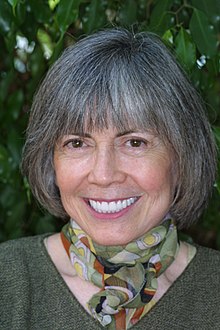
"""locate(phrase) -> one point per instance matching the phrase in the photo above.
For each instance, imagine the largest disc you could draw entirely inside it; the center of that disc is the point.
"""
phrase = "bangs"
(115, 98)
(115, 86)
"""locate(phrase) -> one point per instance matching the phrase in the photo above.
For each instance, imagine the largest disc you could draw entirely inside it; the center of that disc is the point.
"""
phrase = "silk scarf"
(126, 275)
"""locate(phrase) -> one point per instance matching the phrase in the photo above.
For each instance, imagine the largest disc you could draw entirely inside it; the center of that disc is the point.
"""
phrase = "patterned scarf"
(126, 275)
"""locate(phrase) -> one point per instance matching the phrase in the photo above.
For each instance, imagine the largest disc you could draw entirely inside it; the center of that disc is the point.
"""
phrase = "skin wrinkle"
(103, 168)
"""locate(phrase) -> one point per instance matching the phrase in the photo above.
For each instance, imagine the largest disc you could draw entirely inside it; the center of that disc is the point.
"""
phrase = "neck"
(84, 290)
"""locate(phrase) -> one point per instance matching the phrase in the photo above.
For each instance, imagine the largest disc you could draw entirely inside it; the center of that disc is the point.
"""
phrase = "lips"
(113, 206)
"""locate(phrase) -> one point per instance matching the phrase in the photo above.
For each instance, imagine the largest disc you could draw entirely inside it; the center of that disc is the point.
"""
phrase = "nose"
(106, 168)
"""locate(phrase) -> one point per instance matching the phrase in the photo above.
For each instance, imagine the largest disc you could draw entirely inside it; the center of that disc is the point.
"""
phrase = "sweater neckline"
(74, 303)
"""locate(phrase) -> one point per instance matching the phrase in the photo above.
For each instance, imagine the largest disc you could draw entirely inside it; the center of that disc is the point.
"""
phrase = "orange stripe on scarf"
(120, 320)
(65, 242)
(137, 315)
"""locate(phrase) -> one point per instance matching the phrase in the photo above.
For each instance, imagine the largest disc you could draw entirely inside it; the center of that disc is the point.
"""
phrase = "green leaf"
(4, 165)
(161, 19)
(13, 3)
(213, 66)
(14, 144)
(45, 42)
(128, 13)
(14, 103)
(20, 13)
(203, 34)
(95, 16)
(45, 224)
(6, 17)
(53, 3)
(30, 25)
(6, 80)
(3, 153)
(16, 212)
(27, 189)
(57, 50)
(40, 10)
(185, 49)
(218, 186)
(209, 7)
(168, 37)
(67, 13)
(36, 66)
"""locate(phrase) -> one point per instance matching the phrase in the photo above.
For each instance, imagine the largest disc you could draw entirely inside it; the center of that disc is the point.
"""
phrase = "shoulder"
(208, 258)
(20, 242)
(20, 255)
(21, 247)
(192, 302)
(24, 265)
(202, 275)
(204, 267)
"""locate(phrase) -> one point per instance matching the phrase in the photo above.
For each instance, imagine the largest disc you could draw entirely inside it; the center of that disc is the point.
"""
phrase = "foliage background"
(33, 34)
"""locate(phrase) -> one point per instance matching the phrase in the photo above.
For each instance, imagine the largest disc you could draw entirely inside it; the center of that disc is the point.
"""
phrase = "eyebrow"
(125, 133)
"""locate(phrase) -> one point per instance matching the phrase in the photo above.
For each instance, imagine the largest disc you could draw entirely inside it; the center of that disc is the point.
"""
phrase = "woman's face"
(115, 185)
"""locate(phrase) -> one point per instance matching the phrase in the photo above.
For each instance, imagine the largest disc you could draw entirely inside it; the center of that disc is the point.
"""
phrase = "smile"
(111, 207)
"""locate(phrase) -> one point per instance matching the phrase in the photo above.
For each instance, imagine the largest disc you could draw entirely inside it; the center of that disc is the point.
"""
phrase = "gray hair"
(126, 80)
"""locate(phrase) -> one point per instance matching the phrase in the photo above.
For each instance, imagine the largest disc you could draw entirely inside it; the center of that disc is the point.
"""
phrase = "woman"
(119, 144)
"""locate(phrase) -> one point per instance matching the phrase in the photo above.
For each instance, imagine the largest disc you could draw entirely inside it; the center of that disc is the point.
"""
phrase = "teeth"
(112, 207)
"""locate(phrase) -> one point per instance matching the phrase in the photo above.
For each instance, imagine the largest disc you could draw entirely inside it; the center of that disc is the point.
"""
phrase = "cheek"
(156, 177)
(64, 184)
(69, 174)
(64, 175)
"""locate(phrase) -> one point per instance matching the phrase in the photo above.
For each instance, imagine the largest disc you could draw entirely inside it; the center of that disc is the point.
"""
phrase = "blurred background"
(32, 36)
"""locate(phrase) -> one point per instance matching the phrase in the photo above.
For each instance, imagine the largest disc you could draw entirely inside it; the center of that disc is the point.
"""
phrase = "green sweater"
(34, 296)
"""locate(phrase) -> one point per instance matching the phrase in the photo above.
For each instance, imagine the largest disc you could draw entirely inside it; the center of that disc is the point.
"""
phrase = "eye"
(74, 143)
(136, 143)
